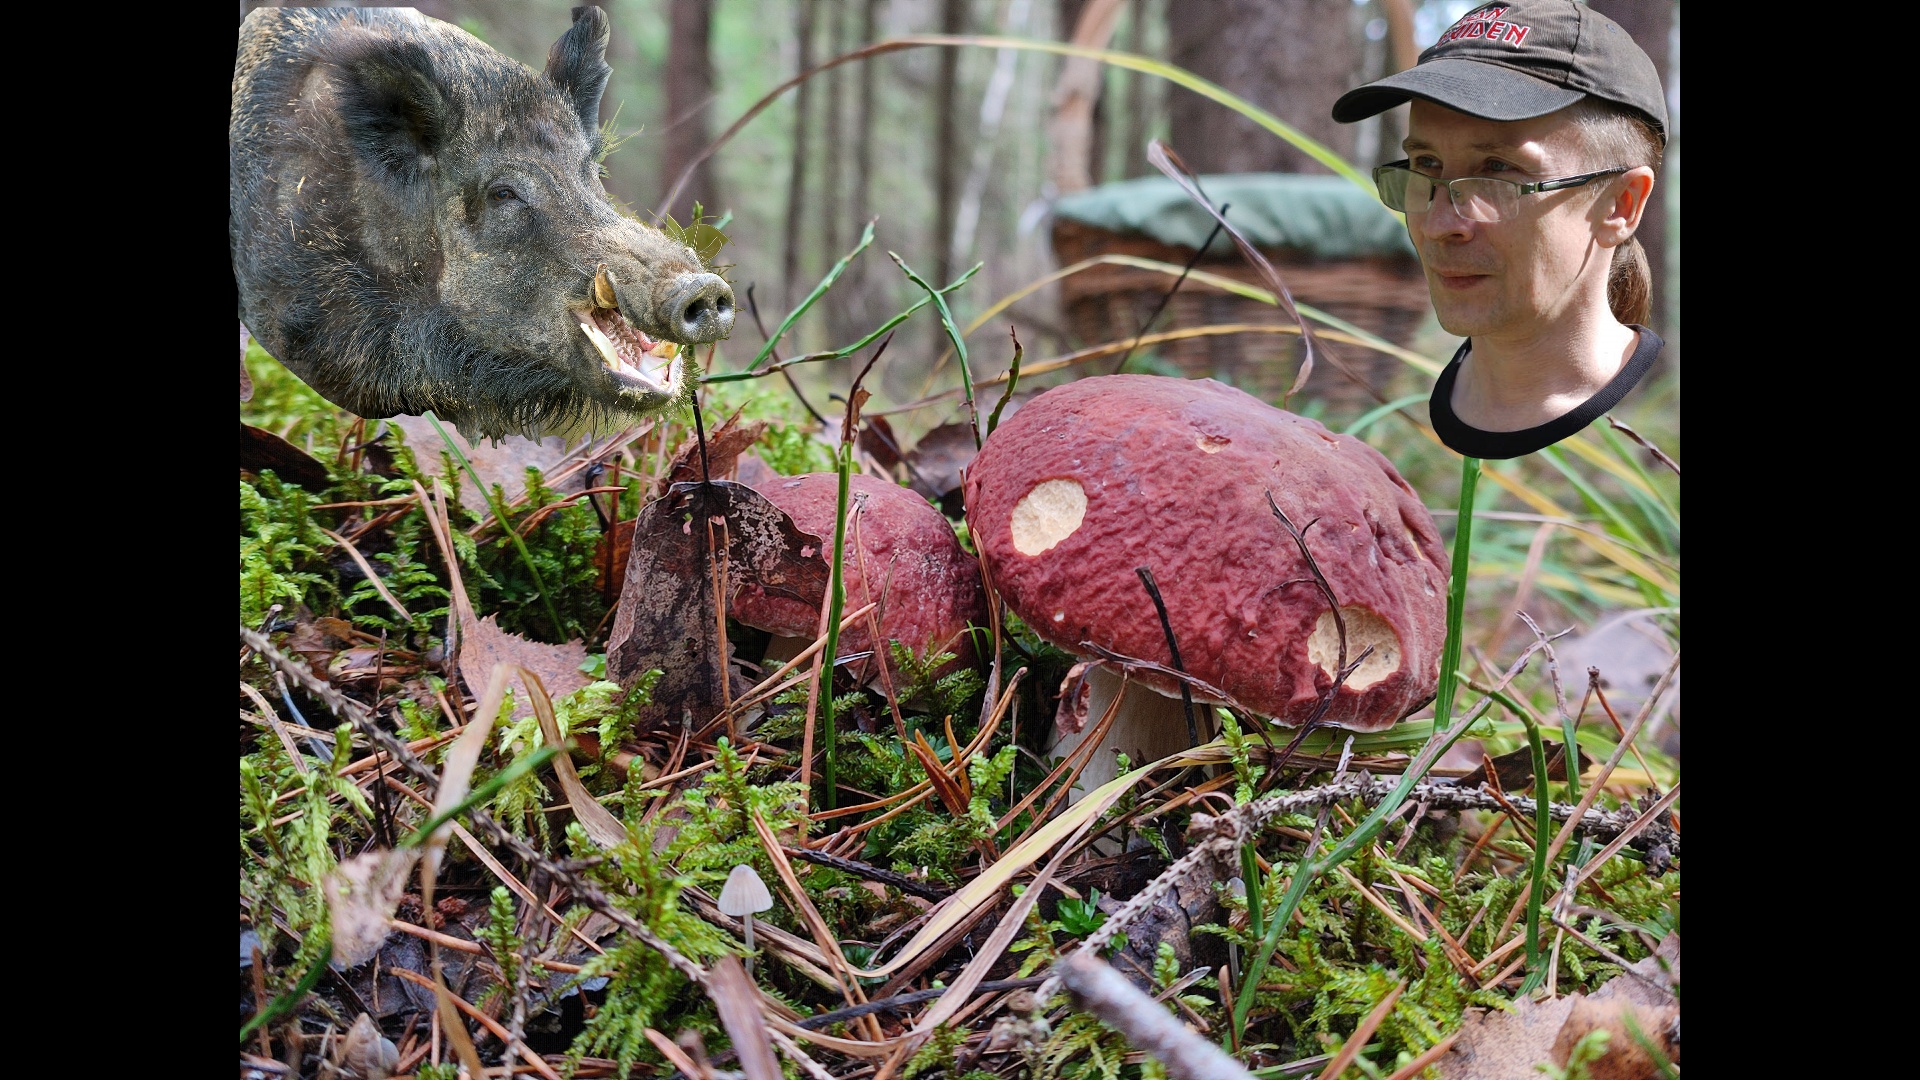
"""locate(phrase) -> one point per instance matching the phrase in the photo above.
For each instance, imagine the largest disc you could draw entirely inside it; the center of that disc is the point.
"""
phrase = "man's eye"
(1425, 165)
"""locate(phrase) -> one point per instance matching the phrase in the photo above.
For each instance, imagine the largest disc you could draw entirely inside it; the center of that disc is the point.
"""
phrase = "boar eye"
(503, 194)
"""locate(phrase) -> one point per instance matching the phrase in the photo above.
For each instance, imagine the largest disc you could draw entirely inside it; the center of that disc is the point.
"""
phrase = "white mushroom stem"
(1148, 726)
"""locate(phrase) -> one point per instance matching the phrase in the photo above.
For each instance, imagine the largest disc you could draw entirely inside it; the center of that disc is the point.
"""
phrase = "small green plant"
(290, 820)
(280, 550)
(937, 1053)
(718, 832)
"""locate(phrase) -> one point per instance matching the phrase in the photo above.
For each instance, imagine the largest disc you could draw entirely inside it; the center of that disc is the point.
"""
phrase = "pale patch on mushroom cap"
(1174, 474)
(1047, 514)
(1364, 629)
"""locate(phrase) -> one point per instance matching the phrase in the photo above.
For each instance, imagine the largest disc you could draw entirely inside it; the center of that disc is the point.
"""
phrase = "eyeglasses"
(1476, 198)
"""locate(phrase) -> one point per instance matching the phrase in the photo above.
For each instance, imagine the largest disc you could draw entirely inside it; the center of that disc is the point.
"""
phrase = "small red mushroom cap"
(1095, 478)
(900, 551)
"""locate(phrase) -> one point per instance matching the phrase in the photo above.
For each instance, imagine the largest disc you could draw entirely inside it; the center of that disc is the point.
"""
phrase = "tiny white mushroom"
(742, 896)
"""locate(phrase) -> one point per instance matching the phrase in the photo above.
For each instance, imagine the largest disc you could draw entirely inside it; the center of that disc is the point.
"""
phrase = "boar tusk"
(603, 288)
(602, 342)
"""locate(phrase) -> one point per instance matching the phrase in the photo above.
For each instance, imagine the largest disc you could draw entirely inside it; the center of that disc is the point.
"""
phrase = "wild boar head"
(418, 224)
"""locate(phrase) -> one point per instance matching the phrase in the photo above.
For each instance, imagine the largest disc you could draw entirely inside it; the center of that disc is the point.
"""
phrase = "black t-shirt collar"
(1496, 445)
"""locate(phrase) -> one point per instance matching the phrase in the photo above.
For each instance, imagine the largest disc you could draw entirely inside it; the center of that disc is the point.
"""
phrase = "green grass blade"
(836, 354)
(1596, 500)
(837, 595)
(481, 794)
(1380, 411)
(953, 332)
(833, 275)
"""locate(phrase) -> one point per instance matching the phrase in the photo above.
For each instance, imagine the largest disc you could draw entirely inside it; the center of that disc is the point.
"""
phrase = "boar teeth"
(605, 344)
(603, 288)
(653, 362)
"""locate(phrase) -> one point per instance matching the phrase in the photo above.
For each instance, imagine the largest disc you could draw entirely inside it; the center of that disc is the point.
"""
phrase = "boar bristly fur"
(418, 224)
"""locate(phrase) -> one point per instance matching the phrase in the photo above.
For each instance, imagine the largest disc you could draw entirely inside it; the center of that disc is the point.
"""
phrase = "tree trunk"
(1401, 53)
(946, 151)
(1292, 59)
(797, 179)
(993, 108)
(830, 204)
(1651, 24)
(851, 314)
(689, 107)
(1133, 156)
(1073, 164)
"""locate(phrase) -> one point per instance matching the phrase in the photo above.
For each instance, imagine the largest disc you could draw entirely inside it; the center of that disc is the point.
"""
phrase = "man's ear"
(1616, 220)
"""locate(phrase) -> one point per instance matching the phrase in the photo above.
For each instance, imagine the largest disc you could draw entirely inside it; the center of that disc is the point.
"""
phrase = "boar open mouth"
(638, 364)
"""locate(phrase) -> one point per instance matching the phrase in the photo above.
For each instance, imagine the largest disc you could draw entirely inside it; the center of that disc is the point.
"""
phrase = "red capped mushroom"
(901, 552)
(1096, 478)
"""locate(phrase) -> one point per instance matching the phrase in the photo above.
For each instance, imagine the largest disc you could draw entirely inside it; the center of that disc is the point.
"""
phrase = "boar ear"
(577, 64)
(394, 106)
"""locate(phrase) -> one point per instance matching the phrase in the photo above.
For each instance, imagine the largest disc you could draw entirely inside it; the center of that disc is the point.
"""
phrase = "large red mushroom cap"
(1095, 478)
(900, 551)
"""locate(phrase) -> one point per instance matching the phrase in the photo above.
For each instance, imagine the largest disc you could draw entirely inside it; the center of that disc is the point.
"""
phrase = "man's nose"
(1442, 218)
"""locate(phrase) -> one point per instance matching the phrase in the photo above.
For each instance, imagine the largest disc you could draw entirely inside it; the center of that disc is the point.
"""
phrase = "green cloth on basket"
(1324, 216)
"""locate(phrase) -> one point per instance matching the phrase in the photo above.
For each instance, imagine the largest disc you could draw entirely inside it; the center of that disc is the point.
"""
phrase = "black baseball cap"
(1519, 60)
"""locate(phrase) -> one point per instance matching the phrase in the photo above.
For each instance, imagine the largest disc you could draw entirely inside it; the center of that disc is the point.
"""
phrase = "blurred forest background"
(961, 153)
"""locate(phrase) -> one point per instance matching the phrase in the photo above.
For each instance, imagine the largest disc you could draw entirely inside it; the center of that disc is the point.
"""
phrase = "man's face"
(1521, 276)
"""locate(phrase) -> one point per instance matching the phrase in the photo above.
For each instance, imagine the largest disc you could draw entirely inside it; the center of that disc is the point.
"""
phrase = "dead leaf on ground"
(1506, 1046)
(753, 472)
(726, 456)
(483, 644)
(1497, 1045)
(261, 450)
(877, 440)
(1626, 1057)
(737, 1000)
(505, 464)
(668, 614)
(319, 640)
(938, 458)
(725, 444)
(1649, 988)
(361, 895)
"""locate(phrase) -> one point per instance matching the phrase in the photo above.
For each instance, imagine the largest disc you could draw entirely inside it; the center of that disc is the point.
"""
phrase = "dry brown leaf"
(1647, 989)
(1515, 769)
(753, 472)
(667, 615)
(1625, 1058)
(1503, 1046)
(261, 450)
(600, 823)
(483, 644)
(318, 640)
(936, 461)
(505, 464)
(365, 1054)
(943, 782)
(725, 444)
(361, 895)
(877, 440)
(737, 1000)
(1506, 1046)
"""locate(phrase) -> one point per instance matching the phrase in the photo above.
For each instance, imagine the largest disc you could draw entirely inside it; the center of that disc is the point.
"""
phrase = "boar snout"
(700, 308)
